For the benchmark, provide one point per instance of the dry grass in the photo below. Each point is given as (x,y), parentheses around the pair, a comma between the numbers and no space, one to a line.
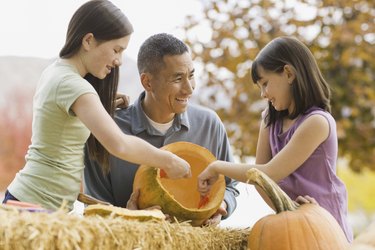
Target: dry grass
(59,230)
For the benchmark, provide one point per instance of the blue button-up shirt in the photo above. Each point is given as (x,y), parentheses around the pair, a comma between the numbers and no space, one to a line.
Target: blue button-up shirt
(197,124)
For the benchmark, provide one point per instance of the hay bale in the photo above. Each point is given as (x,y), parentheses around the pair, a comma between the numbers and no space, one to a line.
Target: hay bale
(59,230)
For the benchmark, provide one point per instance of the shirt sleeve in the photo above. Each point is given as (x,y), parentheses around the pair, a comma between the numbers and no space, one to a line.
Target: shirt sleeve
(69,89)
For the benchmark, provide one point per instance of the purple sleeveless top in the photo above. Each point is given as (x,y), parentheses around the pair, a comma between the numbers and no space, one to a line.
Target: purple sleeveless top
(316,177)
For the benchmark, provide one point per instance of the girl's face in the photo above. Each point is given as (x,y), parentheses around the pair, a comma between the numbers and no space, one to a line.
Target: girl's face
(102,57)
(277,88)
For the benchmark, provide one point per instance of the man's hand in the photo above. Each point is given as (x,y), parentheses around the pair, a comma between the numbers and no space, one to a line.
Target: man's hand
(122,101)
(216,218)
(132,203)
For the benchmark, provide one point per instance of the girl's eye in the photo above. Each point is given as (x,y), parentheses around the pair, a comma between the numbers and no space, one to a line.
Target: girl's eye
(262,85)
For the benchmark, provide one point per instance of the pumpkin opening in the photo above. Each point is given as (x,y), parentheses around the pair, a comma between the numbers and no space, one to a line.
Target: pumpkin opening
(180,197)
(184,191)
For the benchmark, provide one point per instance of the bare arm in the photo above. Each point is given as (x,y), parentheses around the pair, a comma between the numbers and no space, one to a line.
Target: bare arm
(91,112)
(311,133)
(263,155)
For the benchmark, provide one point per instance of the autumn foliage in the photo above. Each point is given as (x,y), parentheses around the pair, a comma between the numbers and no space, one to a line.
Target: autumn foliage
(15,133)
(340,34)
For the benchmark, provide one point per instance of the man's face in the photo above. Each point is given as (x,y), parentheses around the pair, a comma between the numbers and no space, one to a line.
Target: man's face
(172,87)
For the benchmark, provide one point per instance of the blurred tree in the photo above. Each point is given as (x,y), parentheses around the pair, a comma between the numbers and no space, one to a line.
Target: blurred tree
(361,194)
(15,133)
(340,34)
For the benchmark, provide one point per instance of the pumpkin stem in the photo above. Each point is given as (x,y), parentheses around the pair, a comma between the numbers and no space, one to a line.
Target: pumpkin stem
(279,198)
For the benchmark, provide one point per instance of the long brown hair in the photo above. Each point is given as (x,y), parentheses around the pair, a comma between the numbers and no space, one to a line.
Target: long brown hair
(308,88)
(106,22)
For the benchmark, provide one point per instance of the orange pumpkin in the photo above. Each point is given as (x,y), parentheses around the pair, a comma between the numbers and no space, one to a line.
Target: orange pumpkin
(294,226)
(179,198)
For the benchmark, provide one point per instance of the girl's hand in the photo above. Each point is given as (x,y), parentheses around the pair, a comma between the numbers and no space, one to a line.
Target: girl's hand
(306,199)
(206,179)
(177,167)
(122,101)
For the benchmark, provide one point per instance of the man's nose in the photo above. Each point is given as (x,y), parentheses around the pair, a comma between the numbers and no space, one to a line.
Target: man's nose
(189,86)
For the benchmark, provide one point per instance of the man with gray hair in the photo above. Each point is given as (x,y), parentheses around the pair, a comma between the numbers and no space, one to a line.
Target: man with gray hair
(162,115)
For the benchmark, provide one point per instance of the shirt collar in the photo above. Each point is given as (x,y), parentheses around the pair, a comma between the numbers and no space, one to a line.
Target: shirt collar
(139,122)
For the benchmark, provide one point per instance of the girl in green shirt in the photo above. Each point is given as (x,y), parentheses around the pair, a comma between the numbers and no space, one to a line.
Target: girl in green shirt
(73,103)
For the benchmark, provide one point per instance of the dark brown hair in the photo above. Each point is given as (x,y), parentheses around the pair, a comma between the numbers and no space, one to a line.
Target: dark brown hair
(308,88)
(152,51)
(106,22)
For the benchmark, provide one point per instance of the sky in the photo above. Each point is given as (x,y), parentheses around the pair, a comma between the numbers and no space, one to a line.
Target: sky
(37,28)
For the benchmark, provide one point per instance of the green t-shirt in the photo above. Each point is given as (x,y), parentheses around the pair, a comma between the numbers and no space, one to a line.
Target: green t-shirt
(54,161)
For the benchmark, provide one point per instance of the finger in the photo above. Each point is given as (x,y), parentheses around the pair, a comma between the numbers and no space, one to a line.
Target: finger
(208,222)
(222,211)
(154,207)
(169,218)
(188,174)
(126,100)
(311,199)
(119,101)
(204,193)
(213,221)
(133,200)
(203,189)
(301,200)
(202,184)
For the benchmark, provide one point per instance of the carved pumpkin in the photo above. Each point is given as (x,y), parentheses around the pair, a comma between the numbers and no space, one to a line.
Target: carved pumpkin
(294,226)
(179,198)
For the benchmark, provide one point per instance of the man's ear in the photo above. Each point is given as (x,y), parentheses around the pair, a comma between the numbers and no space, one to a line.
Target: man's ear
(290,73)
(88,41)
(146,81)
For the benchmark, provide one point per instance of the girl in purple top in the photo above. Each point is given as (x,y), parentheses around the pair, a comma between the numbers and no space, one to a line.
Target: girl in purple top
(297,144)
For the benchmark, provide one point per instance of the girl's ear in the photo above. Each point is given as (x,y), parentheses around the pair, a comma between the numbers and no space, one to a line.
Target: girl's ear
(290,73)
(88,41)
(146,81)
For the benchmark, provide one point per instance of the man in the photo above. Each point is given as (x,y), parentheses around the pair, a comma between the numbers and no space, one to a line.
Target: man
(162,115)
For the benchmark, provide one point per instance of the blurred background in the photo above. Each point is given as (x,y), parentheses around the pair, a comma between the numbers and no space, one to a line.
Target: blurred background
(224,36)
